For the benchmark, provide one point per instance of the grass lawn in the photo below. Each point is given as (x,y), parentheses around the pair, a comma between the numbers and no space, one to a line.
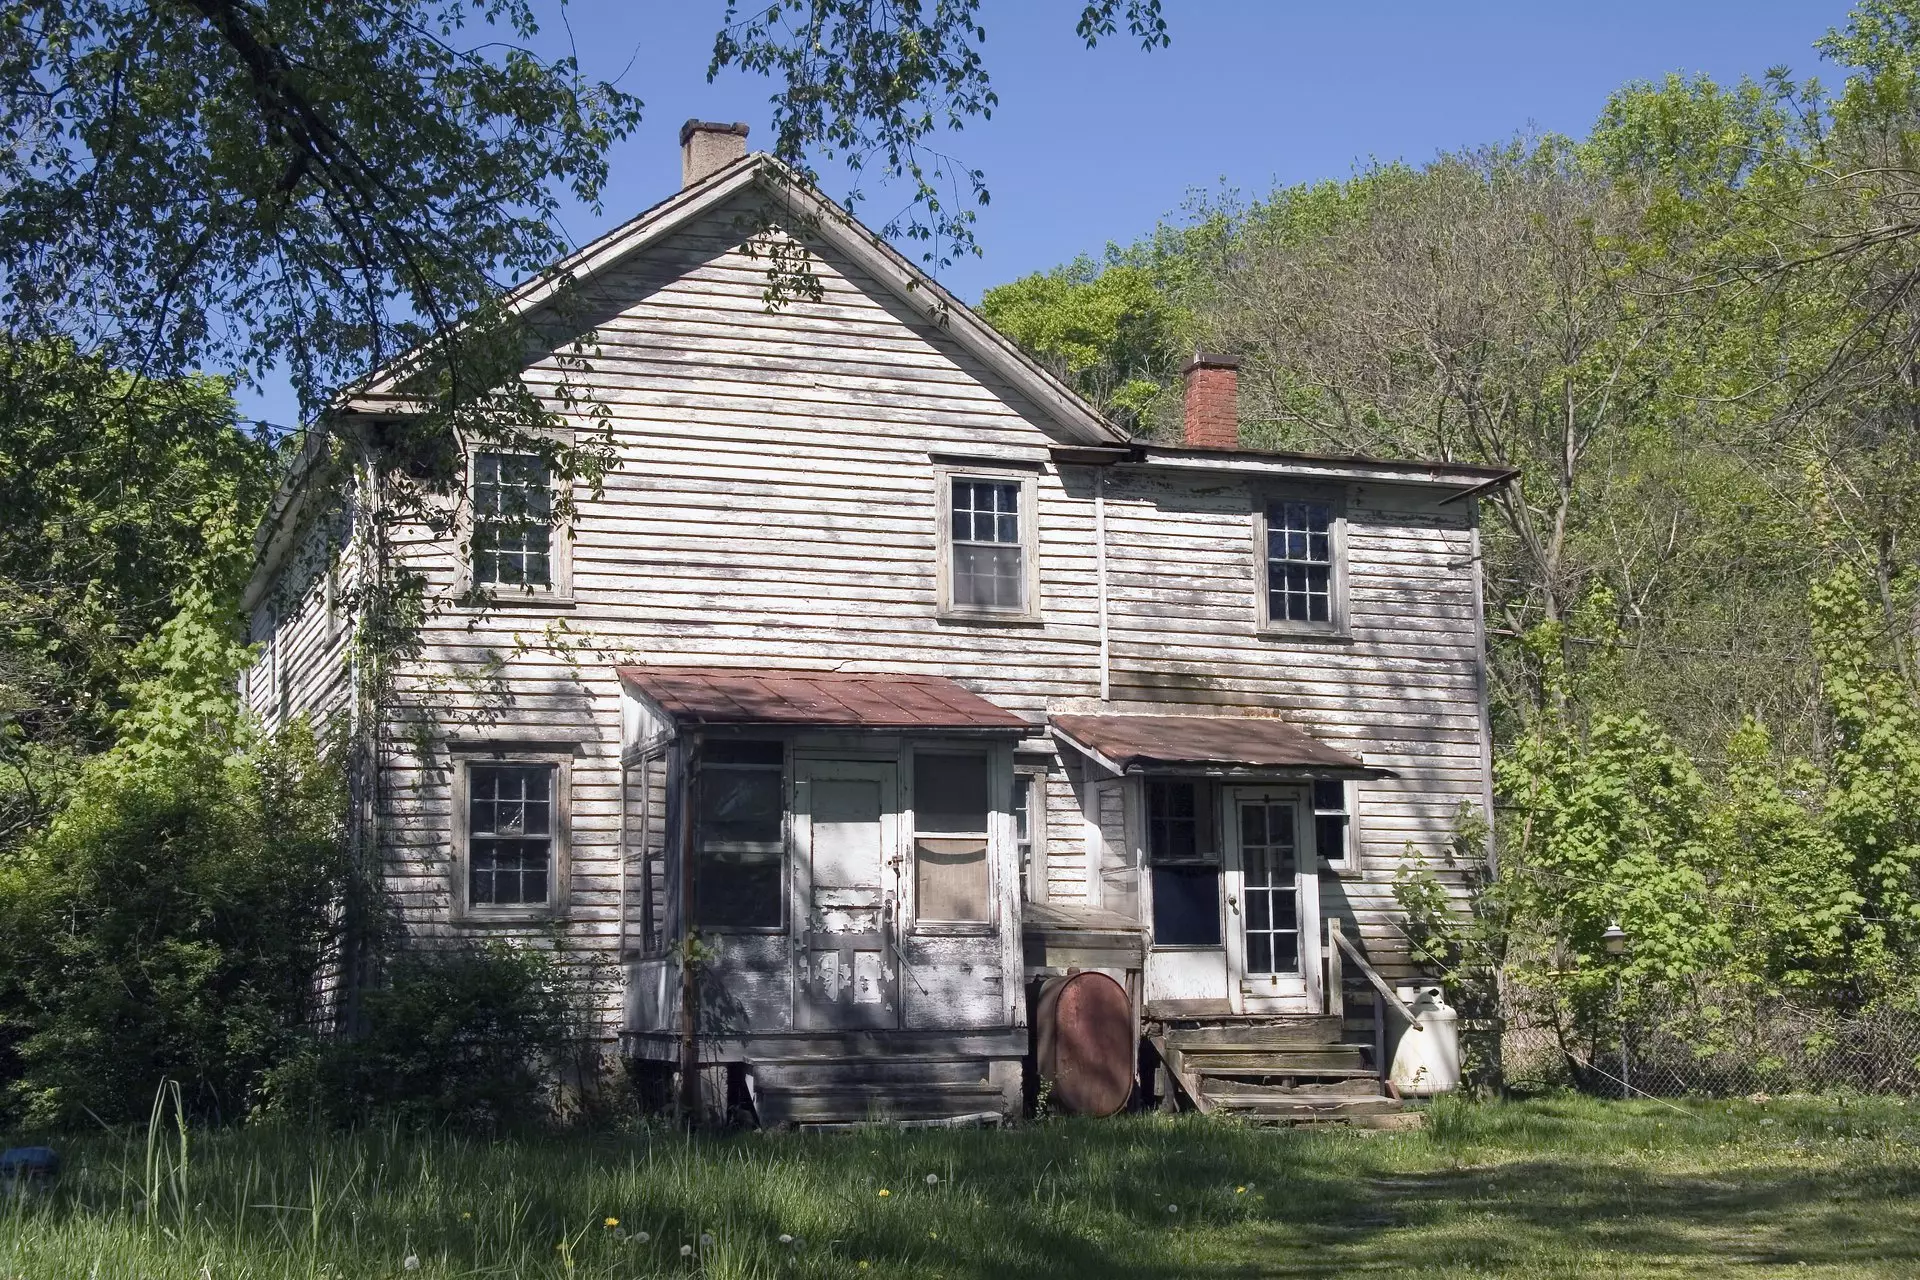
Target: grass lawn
(1569,1187)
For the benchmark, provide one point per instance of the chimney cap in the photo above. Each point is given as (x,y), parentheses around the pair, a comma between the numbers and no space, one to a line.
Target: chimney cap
(694,126)
(1210,360)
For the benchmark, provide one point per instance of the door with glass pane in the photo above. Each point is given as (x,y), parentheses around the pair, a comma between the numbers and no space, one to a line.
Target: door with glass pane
(1273,901)
(847,894)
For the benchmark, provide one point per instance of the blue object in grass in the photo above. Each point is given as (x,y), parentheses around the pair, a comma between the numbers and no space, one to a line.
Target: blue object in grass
(29,1164)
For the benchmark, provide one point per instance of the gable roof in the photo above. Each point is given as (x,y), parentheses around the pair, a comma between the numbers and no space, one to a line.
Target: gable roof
(841,231)
(379,394)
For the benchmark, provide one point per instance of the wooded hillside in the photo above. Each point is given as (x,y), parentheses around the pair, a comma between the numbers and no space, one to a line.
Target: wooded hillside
(1694,333)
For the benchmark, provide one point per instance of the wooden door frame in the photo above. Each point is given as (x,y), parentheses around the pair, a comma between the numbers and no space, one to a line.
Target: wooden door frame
(1306,885)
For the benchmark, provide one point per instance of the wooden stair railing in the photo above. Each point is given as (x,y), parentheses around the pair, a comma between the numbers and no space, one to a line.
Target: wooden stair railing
(1339,950)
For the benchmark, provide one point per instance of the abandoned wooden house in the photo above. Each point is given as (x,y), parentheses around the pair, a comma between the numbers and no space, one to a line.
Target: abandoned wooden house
(895,676)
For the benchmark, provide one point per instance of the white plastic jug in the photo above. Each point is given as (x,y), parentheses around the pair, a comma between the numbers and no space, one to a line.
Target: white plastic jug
(1427,1060)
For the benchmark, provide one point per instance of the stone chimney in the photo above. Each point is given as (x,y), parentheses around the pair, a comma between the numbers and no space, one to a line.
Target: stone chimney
(706,148)
(1213,402)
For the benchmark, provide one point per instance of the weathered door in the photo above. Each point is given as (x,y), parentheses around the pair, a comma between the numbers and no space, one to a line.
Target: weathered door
(1273,902)
(846,883)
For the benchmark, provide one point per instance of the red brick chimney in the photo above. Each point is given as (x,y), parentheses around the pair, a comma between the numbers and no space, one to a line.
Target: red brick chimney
(1213,402)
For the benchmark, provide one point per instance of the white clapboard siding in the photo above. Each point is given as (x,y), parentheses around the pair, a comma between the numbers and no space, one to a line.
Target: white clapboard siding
(774,505)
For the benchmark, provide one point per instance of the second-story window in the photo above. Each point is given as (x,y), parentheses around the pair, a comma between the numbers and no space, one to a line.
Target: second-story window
(512,520)
(989,571)
(1302,545)
(987,545)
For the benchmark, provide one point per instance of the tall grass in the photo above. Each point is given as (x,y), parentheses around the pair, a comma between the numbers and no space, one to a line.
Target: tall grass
(1142,1196)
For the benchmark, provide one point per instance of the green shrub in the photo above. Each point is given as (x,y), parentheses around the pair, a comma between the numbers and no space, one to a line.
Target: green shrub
(469,1036)
(172,923)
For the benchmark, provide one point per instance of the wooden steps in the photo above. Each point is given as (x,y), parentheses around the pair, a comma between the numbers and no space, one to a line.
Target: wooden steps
(896,1090)
(1284,1069)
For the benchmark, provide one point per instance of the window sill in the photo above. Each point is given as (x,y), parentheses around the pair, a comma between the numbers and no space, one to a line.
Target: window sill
(1187,946)
(990,617)
(1305,634)
(514,600)
(510,915)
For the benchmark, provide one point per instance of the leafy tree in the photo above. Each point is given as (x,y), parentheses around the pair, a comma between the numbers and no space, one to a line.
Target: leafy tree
(120,495)
(173,922)
(1113,332)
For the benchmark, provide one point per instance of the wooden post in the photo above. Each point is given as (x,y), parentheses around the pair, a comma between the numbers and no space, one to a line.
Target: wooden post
(689,959)
(1336,996)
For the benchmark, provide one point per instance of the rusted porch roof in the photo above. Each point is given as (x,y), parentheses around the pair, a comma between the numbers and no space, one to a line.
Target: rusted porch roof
(735,697)
(1128,743)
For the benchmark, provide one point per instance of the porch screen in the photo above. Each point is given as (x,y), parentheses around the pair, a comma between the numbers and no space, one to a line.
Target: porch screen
(951,813)
(1185,866)
(741,878)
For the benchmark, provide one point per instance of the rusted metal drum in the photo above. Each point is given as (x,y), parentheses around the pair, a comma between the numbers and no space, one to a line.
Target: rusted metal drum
(1084,1045)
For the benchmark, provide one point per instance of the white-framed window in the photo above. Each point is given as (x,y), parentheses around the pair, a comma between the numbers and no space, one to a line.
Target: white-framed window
(740,826)
(1334,836)
(988,545)
(1301,550)
(510,836)
(952,834)
(516,545)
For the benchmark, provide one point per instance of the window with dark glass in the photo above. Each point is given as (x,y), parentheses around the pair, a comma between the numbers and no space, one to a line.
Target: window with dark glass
(741,824)
(1300,568)
(512,520)
(509,835)
(989,564)
(952,813)
(1184,866)
(1332,822)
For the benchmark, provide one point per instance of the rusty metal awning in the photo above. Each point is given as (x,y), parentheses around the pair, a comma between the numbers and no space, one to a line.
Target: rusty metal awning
(1139,743)
(740,697)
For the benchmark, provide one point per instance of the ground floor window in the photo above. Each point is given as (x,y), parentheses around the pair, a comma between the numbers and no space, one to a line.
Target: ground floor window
(740,874)
(1184,861)
(510,834)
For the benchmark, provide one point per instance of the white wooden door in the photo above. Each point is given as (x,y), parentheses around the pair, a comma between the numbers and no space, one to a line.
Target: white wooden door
(847,894)
(1273,901)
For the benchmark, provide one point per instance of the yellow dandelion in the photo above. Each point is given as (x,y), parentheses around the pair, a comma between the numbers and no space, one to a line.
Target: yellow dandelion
(863,1264)
(466,1217)
(1239,1191)
(884,1193)
(611,1223)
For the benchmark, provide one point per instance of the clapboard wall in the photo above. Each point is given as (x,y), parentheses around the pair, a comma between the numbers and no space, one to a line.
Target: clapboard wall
(774,505)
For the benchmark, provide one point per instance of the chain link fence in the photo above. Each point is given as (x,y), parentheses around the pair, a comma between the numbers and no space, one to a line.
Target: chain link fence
(1774,1048)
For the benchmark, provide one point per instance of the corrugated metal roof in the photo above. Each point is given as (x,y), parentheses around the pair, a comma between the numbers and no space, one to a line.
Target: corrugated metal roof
(695,697)
(1256,742)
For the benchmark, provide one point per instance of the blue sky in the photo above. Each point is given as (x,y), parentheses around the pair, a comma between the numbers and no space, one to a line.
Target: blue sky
(1089,147)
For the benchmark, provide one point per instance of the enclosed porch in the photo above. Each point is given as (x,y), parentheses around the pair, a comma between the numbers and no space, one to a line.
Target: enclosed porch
(828,884)
(1227,839)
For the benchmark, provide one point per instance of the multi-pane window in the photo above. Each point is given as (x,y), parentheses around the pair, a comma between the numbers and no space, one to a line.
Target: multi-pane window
(512,520)
(741,873)
(989,563)
(1184,866)
(952,813)
(1332,822)
(510,834)
(1300,562)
